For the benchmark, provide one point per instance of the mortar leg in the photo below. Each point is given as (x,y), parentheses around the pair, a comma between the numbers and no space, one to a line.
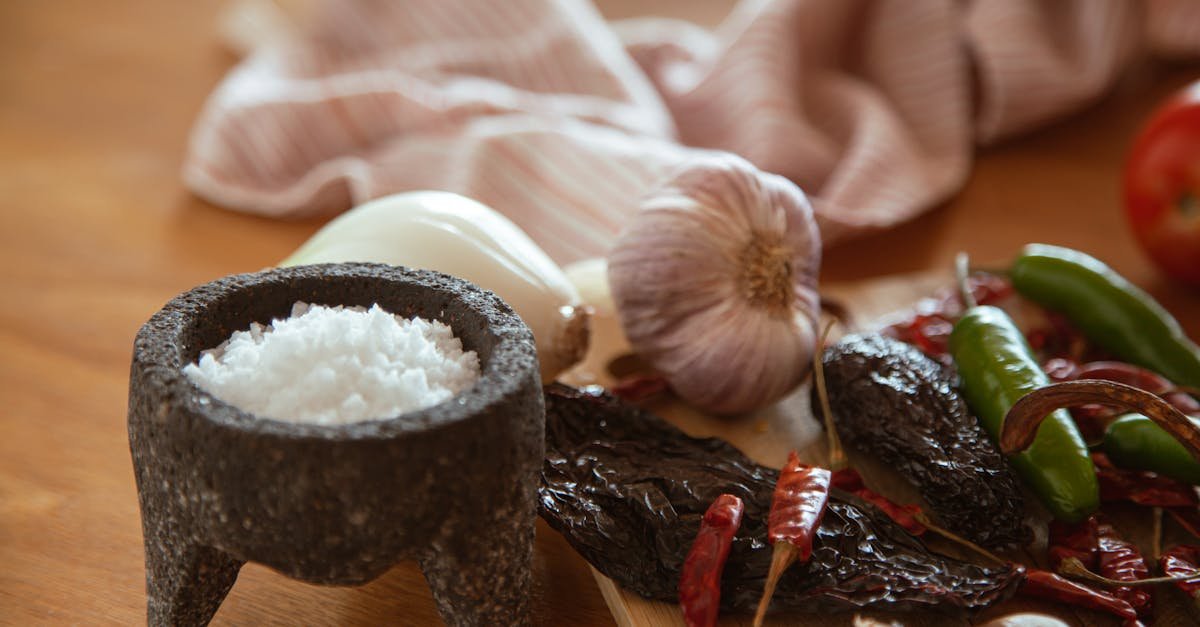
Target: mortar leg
(480,573)
(185,584)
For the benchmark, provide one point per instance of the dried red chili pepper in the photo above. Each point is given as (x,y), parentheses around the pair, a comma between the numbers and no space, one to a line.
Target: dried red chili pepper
(1122,561)
(1181,561)
(797,506)
(1097,547)
(700,578)
(1122,372)
(849,480)
(929,327)
(1180,500)
(1043,584)
(637,388)
(1092,419)
(1139,377)
(929,332)
(1141,487)
(1077,540)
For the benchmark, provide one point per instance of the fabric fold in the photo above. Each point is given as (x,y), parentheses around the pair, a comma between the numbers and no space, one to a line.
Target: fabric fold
(542,110)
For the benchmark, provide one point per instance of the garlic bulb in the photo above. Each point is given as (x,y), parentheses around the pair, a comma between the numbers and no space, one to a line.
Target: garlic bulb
(461,237)
(715,282)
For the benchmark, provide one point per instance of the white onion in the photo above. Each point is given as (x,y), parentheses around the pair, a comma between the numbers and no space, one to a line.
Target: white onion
(464,238)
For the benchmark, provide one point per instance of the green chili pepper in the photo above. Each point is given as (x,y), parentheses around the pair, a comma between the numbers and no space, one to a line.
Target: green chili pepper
(1108,309)
(1134,441)
(997,368)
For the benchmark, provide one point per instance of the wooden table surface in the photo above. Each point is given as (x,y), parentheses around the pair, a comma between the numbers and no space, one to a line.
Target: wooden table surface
(97,232)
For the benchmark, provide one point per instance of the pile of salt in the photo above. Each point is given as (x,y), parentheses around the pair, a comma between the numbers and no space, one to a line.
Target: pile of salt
(337,365)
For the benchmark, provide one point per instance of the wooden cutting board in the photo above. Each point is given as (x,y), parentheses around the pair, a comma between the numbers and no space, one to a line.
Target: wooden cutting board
(768,435)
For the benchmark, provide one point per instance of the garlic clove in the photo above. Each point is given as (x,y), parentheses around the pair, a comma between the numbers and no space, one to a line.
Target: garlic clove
(464,238)
(715,284)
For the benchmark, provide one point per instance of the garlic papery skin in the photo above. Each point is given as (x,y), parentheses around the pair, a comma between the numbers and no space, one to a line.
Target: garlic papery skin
(453,234)
(715,283)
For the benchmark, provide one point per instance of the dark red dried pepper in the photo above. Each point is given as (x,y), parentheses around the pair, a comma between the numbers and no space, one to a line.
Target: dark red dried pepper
(849,480)
(1141,487)
(1093,419)
(929,327)
(1182,561)
(1043,584)
(1122,561)
(1121,372)
(638,388)
(1077,540)
(797,506)
(1098,548)
(700,578)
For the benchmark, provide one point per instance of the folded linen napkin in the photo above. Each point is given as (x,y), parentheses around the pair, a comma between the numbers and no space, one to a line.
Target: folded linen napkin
(542,110)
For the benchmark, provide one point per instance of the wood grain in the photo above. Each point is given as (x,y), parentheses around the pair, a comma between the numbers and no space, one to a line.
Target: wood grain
(96,233)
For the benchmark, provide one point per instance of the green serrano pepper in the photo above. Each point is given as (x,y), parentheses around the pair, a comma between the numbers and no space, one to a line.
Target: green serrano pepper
(1108,309)
(997,368)
(1134,441)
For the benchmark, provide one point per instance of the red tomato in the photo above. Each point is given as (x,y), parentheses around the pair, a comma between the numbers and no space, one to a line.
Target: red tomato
(1162,186)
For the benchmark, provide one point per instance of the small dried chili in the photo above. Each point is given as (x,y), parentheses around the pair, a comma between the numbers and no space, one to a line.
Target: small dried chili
(1077,540)
(1139,377)
(1182,561)
(930,325)
(700,577)
(1097,547)
(1120,560)
(797,506)
(1092,418)
(1043,584)
(849,480)
(1141,487)
(637,388)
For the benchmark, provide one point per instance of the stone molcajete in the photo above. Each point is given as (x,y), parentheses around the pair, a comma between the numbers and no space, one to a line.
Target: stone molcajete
(452,486)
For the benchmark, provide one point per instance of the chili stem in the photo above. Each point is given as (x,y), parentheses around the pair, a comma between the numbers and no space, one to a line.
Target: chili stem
(837,456)
(962,269)
(1072,567)
(782,557)
(1021,424)
(923,518)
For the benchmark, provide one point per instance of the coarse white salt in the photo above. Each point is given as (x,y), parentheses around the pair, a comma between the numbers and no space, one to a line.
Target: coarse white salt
(336,365)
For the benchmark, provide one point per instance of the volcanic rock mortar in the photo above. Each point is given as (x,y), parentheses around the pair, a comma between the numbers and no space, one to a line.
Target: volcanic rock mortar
(451,486)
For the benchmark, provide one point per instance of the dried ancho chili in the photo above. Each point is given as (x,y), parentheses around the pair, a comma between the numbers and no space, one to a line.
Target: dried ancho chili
(892,401)
(628,491)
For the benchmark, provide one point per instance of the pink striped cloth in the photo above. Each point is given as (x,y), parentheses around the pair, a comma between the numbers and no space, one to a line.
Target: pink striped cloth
(542,110)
